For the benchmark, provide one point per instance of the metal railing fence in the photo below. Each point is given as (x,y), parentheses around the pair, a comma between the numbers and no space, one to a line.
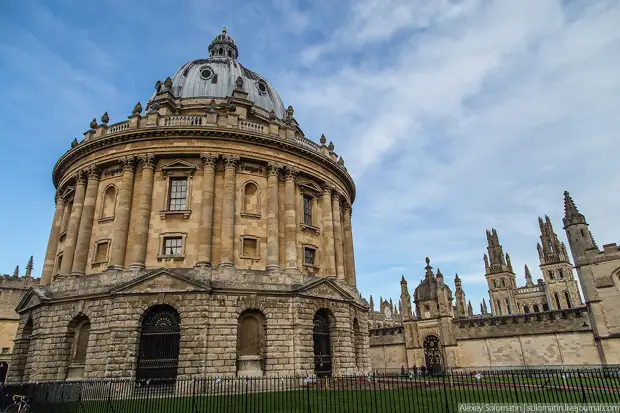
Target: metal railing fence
(399,392)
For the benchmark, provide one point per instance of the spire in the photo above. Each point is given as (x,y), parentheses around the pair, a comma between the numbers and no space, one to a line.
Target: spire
(494,248)
(550,248)
(486,261)
(372,304)
(428,268)
(29,266)
(405,300)
(508,263)
(571,213)
(528,277)
(470,310)
(457,282)
(16,272)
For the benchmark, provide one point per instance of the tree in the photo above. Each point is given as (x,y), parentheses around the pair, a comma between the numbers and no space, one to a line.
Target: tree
(29,267)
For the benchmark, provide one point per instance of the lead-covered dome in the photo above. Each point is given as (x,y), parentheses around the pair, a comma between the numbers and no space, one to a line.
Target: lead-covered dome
(216,77)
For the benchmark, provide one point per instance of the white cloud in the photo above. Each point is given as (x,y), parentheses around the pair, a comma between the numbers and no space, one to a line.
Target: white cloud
(466,116)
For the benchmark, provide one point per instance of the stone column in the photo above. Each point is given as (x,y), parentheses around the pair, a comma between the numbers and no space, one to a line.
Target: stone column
(86,222)
(52,243)
(205,231)
(123,212)
(328,234)
(338,236)
(349,257)
(228,211)
(74,225)
(290,222)
(143,218)
(273,235)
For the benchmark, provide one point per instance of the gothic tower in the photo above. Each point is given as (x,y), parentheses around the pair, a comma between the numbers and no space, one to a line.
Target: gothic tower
(500,277)
(405,300)
(562,289)
(461,304)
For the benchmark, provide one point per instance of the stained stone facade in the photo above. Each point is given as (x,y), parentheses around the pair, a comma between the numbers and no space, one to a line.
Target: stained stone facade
(543,324)
(211,222)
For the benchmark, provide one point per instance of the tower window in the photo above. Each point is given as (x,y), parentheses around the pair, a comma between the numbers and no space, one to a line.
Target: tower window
(557,301)
(526,309)
(494,284)
(499,308)
(567,298)
(561,273)
(221,51)
(307,210)
(550,274)
(503,283)
(178,194)
(581,231)
(173,245)
(508,306)
(536,308)
(550,246)
(309,255)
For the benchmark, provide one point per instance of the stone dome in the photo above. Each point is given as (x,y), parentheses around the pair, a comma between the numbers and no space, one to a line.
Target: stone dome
(427,290)
(216,77)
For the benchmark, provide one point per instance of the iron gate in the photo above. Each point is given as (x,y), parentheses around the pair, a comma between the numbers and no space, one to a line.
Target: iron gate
(432,354)
(322,346)
(159,345)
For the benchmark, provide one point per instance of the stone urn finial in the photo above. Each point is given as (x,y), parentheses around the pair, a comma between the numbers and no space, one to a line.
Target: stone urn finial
(289,112)
(168,83)
(341,161)
(330,146)
(137,109)
(323,139)
(74,143)
(93,123)
(105,118)
(239,83)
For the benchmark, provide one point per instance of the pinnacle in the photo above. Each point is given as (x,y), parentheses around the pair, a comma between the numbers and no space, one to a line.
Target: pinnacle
(571,213)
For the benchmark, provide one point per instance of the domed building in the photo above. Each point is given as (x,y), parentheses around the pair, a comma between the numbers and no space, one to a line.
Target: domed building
(204,236)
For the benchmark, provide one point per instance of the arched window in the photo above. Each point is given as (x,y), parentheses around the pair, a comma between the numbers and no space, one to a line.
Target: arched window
(251,204)
(536,308)
(526,309)
(545,307)
(158,356)
(251,343)
(499,307)
(569,304)
(550,246)
(550,274)
(494,284)
(503,283)
(508,309)
(561,273)
(321,337)
(21,353)
(556,297)
(221,51)
(108,204)
(77,338)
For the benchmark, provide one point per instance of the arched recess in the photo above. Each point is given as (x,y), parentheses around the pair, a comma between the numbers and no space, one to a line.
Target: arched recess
(536,308)
(4,368)
(77,338)
(556,298)
(108,202)
(160,337)
(251,198)
(526,309)
(21,353)
(251,333)
(321,337)
(433,354)
(569,303)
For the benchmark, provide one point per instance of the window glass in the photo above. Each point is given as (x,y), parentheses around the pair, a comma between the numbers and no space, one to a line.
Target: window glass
(172,246)
(178,194)
(307,210)
(309,254)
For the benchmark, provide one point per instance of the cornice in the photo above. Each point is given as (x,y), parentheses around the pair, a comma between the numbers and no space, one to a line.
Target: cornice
(86,148)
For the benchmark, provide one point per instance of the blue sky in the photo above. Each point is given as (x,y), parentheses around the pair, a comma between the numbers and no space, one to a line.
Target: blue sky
(452,116)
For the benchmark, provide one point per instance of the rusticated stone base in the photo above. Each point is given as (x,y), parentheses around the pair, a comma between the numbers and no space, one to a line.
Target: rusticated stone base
(209,306)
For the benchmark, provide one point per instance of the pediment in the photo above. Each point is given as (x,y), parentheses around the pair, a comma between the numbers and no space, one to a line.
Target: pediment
(325,288)
(161,281)
(311,186)
(178,166)
(33,298)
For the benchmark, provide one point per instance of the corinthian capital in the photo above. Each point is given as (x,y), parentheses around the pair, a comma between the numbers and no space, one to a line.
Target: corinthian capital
(148,161)
(79,177)
(328,189)
(208,160)
(231,161)
(291,172)
(129,163)
(346,205)
(94,172)
(273,168)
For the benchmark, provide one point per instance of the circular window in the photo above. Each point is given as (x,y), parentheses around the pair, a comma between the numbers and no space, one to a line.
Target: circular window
(206,73)
(262,87)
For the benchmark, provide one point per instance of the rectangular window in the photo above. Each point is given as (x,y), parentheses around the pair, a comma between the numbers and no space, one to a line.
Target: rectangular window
(178,194)
(58,263)
(309,254)
(250,247)
(172,245)
(307,210)
(101,252)
(5,350)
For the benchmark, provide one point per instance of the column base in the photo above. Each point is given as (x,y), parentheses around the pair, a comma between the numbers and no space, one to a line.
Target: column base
(225,264)
(77,274)
(116,267)
(136,266)
(203,264)
(273,268)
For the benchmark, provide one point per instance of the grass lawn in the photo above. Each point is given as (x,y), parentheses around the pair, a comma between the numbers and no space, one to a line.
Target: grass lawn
(312,400)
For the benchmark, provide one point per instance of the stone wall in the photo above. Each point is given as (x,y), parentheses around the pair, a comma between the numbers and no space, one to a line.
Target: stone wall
(12,289)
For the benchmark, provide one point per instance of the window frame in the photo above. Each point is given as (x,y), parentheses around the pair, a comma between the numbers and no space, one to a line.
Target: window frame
(242,254)
(161,249)
(315,249)
(96,246)
(313,192)
(177,169)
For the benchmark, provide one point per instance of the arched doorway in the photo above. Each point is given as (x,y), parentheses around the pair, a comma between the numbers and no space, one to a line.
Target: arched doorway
(4,368)
(322,345)
(158,356)
(432,354)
